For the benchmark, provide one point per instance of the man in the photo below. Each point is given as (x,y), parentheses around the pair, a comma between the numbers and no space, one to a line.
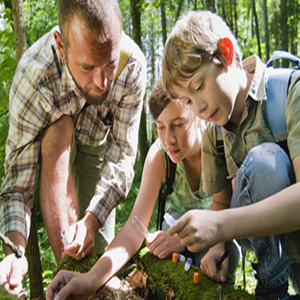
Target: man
(75,119)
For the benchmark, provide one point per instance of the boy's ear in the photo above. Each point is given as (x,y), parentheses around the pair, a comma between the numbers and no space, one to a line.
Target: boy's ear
(226,47)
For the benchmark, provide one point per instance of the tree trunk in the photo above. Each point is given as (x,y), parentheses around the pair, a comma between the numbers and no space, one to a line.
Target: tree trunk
(293,13)
(256,27)
(19,27)
(276,26)
(34,262)
(284,27)
(211,5)
(32,248)
(178,10)
(266,26)
(163,21)
(136,27)
(235,19)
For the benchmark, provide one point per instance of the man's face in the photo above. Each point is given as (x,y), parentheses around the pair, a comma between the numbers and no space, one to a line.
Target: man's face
(93,64)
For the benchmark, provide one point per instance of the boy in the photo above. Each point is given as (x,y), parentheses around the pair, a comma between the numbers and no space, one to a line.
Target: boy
(202,67)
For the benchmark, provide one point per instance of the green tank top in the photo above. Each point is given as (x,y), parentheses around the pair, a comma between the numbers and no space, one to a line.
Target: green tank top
(183,198)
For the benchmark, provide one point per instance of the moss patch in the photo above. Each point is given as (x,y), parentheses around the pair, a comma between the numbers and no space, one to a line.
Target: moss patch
(79,266)
(4,295)
(169,278)
(166,280)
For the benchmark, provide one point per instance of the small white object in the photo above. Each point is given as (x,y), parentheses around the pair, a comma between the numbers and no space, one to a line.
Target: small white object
(169,219)
(187,264)
(64,238)
(180,257)
(140,226)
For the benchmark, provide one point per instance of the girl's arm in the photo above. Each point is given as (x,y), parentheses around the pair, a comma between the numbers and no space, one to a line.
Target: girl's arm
(126,242)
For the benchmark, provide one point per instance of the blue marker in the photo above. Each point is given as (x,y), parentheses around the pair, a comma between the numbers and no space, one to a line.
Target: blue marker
(187,264)
(169,219)
(180,257)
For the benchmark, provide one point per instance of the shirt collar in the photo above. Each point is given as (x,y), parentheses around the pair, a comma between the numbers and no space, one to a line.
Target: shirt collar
(253,64)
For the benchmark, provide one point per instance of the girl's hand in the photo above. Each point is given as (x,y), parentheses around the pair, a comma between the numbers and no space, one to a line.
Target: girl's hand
(164,245)
(66,283)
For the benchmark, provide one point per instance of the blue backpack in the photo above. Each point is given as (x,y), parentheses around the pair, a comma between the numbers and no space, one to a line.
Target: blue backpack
(277,84)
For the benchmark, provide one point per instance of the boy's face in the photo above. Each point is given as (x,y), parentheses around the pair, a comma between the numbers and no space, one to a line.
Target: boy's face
(212,92)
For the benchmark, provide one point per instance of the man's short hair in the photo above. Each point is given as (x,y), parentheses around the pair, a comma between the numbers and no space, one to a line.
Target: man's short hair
(97,15)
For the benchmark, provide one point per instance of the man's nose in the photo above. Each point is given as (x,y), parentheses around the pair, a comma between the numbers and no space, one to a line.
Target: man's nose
(99,78)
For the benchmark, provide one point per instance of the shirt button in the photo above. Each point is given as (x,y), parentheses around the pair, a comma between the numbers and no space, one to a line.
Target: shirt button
(229,137)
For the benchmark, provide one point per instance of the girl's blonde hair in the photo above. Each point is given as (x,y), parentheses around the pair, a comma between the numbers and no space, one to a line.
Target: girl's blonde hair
(192,42)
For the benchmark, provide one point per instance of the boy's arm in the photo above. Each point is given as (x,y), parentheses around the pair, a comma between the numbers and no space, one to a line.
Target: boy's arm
(221,200)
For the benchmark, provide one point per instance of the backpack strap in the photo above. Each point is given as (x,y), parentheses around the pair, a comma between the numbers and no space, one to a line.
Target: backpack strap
(166,189)
(125,54)
(220,142)
(277,84)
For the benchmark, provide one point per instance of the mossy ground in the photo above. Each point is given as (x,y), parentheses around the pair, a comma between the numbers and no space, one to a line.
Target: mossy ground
(167,275)
(166,279)
(5,296)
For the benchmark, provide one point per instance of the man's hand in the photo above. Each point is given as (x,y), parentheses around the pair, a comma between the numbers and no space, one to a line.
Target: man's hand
(66,283)
(79,238)
(164,245)
(197,229)
(12,271)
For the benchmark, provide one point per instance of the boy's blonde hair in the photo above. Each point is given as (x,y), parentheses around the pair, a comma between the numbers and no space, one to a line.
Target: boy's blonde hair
(192,42)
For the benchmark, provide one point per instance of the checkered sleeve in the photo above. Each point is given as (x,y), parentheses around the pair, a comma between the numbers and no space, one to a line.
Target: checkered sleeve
(26,118)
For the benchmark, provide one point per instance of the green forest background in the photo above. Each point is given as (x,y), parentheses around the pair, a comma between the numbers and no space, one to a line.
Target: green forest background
(260,26)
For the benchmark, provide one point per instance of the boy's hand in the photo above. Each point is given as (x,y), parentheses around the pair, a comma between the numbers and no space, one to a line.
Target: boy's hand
(66,283)
(197,229)
(164,245)
(12,271)
(209,263)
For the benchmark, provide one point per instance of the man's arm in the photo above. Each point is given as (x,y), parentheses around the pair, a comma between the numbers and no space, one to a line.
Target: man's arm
(117,171)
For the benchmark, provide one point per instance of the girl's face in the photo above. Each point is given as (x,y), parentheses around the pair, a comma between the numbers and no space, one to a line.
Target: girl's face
(212,92)
(179,132)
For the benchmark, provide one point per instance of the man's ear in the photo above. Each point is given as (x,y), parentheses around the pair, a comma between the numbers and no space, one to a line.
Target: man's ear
(60,45)
(226,47)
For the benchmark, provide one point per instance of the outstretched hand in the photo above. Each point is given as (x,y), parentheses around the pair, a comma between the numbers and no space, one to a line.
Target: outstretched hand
(163,245)
(78,240)
(66,283)
(12,271)
(197,229)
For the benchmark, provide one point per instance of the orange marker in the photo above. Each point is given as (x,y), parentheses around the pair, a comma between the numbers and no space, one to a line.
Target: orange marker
(174,258)
(196,278)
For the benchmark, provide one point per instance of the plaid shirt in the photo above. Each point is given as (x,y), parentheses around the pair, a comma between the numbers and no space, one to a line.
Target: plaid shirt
(42,91)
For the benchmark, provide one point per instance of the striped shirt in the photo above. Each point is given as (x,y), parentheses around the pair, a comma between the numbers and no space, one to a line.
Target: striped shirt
(42,91)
